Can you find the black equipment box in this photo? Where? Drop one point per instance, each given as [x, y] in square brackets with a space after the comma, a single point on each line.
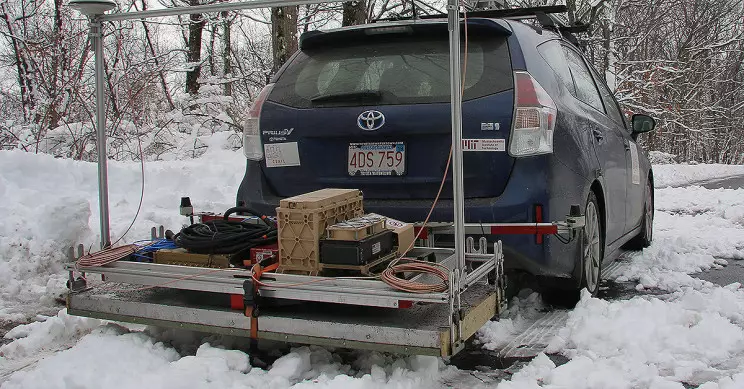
[355, 253]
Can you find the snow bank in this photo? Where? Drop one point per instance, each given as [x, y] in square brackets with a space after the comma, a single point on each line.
[112, 357]
[646, 342]
[695, 229]
[661, 158]
[50, 334]
[49, 204]
[523, 310]
[683, 174]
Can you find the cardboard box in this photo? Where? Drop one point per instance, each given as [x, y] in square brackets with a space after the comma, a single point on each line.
[356, 229]
[403, 233]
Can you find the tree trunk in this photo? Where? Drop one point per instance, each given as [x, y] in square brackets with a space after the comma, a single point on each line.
[59, 68]
[210, 51]
[196, 26]
[284, 34]
[151, 48]
[354, 13]
[226, 52]
[25, 73]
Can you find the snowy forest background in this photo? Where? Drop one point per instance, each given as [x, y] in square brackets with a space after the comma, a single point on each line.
[173, 82]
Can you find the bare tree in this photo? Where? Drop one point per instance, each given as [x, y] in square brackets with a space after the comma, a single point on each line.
[283, 33]
[354, 12]
[194, 47]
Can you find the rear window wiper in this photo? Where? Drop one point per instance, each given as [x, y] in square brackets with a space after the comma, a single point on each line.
[346, 96]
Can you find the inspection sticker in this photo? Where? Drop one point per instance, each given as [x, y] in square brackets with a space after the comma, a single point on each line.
[483, 145]
[282, 154]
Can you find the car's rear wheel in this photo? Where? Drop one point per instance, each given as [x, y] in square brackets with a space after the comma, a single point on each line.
[646, 235]
[592, 247]
[589, 260]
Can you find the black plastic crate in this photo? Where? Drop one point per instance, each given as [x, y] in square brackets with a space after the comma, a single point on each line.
[356, 253]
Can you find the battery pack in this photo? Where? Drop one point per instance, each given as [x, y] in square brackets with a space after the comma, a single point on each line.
[355, 253]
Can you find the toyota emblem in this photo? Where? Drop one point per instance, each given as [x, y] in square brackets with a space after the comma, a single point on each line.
[370, 120]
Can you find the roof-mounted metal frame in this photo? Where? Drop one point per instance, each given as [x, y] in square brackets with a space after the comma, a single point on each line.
[544, 15]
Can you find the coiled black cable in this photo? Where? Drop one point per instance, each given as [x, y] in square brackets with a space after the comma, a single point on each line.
[234, 238]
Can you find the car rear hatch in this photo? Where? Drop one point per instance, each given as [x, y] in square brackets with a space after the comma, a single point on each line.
[368, 108]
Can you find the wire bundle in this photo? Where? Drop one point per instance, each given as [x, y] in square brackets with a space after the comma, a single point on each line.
[106, 256]
[226, 236]
[390, 277]
[151, 247]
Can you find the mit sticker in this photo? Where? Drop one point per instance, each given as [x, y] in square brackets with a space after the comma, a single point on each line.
[484, 145]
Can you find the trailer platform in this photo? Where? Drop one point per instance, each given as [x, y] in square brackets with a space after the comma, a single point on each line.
[423, 329]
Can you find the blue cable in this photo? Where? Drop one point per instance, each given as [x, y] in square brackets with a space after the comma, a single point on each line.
[154, 245]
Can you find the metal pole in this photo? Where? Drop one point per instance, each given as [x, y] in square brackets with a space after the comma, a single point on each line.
[456, 103]
[96, 37]
[209, 8]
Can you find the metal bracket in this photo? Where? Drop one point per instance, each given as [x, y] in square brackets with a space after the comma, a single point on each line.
[482, 245]
[157, 233]
[575, 222]
[79, 284]
[500, 275]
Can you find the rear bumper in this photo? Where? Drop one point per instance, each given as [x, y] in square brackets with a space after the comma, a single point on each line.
[515, 205]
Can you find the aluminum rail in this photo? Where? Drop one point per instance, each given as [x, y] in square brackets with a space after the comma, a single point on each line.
[366, 292]
[96, 37]
[208, 8]
[458, 188]
[284, 286]
[503, 228]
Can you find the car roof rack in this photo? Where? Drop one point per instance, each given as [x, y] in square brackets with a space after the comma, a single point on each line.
[544, 16]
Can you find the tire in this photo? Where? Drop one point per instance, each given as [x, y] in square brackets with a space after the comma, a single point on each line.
[591, 247]
[591, 253]
[646, 235]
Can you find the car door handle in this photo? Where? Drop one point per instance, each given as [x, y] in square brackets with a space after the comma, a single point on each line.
[627, 145]
[598, 134]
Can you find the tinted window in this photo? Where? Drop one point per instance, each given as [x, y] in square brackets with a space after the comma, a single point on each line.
[586, 91]
[552, 52]
[609, 102]
[401, 71]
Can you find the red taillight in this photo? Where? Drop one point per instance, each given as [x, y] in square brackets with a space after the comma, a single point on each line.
[255, 110]
[534, 118]
[526, 95]
[252, 147]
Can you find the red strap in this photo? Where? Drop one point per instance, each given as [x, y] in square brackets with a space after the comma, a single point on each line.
[271, 267]
[257, 273]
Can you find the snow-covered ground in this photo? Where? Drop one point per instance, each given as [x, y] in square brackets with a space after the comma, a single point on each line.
[689, 331]
[676, 175]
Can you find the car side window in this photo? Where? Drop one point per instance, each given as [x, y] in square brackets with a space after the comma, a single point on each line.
[586, 90]
[552, 52]
[609, 101]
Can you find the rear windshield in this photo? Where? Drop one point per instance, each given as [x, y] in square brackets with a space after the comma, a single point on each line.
[406, 70]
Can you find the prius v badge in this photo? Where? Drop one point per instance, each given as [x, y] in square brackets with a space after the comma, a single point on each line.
[370, 120]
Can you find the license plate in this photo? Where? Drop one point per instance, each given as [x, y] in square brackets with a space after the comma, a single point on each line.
[377, 159]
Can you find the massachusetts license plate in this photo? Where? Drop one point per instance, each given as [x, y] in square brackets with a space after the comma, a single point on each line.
[377, 159]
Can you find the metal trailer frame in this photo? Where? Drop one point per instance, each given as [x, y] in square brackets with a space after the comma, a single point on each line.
[466, 282]
[96, 35]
